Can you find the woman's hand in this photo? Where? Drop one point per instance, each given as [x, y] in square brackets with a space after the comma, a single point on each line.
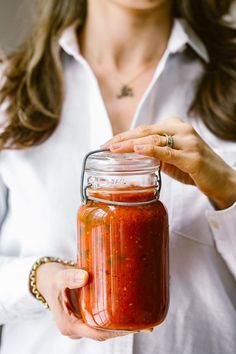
[190, 161]
[53, 282]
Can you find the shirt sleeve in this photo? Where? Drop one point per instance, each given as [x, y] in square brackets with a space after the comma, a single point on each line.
[223, 226]
[16, 300]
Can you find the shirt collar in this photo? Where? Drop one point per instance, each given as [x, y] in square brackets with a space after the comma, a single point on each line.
[181, 36]
[69, 42]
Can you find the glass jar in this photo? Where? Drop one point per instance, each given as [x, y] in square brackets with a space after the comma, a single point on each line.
[123, 243]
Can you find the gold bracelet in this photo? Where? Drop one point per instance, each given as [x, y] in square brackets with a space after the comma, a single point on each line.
[33, 278]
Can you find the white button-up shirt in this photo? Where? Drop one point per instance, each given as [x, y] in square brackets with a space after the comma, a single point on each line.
[40, 196]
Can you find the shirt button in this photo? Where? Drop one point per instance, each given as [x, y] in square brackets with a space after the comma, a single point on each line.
[214, 224]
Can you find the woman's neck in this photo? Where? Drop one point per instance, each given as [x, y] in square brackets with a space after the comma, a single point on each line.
[120, 37]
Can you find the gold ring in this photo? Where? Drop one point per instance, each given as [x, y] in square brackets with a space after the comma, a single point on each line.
[169, 140]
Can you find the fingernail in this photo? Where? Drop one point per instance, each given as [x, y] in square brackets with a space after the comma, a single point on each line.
[80, 276]
[148, 330]
[139, 147]
[115, 146]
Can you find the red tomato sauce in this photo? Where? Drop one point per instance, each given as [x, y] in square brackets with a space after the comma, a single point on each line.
[125, 251]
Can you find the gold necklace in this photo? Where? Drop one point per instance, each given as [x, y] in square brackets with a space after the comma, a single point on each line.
[126, 90]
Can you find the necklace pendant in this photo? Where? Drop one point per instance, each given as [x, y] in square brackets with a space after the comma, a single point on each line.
[126, 91]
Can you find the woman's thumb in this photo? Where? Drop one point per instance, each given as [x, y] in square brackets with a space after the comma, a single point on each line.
[72, 278]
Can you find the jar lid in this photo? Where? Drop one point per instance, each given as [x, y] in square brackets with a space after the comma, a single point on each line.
[108, 162]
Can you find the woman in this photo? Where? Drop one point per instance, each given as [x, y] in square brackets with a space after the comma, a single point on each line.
[90, 70]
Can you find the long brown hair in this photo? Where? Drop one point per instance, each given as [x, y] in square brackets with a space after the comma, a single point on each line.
[33, 84]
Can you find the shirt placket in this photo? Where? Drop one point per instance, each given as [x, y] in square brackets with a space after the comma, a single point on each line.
[141, 114]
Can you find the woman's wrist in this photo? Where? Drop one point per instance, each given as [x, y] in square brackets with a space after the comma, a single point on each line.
[227, 197]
